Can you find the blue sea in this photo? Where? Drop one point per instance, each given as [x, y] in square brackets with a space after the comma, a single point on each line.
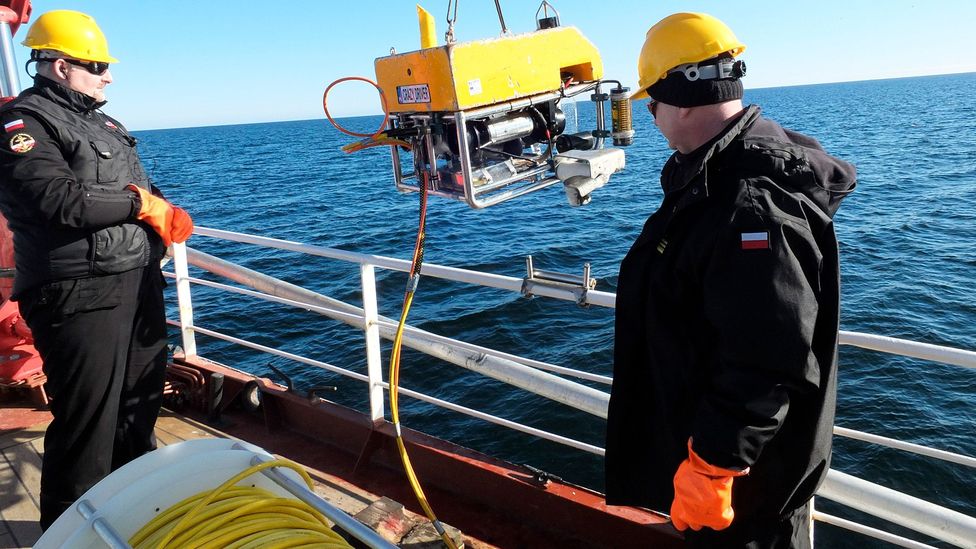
[908, 252]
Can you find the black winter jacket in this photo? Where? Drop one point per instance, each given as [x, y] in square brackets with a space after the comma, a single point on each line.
[726, 322]
[64, 166]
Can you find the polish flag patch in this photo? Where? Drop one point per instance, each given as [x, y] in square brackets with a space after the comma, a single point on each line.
[111, 125]
[14, 125]
[755, 241]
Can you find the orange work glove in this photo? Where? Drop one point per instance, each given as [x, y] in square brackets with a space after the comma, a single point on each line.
[171, 223]
[702, 494]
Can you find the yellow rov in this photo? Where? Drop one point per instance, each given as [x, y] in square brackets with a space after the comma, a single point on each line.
[484, 119]
[467, 75]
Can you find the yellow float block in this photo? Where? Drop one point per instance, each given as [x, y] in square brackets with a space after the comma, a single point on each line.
[467, 75]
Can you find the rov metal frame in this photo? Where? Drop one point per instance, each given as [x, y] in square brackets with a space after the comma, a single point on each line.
[482, 196]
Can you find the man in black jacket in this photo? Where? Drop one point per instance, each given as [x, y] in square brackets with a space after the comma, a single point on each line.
[89, 232]
[727, 314]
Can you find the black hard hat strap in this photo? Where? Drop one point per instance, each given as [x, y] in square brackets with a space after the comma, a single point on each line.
[711, 70]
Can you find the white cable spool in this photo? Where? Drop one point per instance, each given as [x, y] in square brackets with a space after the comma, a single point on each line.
[140, 490]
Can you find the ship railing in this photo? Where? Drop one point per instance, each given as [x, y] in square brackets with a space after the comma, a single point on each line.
[539, 377]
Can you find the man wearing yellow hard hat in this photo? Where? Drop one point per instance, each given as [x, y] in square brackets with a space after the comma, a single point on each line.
[89, 231]
[723, 397]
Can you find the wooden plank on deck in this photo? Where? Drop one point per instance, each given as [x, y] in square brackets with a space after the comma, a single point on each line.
[38, 444]
[17, 508]
[164, 437]
[20, 436]
[26, 462]
[177, 429]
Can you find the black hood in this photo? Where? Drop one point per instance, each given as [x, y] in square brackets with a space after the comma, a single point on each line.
[768, 148]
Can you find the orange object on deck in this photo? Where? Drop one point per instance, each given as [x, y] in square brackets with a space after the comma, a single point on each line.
[6, 260]
[20, 363]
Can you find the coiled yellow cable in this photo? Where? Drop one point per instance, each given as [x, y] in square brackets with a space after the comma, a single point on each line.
[240, 517]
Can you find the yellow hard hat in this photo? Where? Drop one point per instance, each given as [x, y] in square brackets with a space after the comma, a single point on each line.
[72, 33]
[678, 39]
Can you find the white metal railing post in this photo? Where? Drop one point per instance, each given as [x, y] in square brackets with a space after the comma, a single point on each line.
[374, 366]
[181, 270]
[813, 521]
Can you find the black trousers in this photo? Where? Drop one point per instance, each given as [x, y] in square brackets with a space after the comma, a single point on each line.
[103, 341]
[790, 532]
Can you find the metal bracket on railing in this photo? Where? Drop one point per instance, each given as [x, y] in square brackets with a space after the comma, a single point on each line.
[580, 285]
[313, 393]
[288, 382]
[542, 477]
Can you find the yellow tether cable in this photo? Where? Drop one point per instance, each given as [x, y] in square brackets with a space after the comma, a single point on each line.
[412, 281]
[381, 138]
[241, 517]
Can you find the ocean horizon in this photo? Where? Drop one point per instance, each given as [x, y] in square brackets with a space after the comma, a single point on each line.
[379, 114]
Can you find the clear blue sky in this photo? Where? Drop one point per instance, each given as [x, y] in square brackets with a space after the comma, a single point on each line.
[210, 62]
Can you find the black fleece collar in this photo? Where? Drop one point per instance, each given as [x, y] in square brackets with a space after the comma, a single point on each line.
[66, 97]
[682, 168]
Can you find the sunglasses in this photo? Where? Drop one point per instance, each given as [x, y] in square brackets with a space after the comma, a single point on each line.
[97, 68]
[652, 107]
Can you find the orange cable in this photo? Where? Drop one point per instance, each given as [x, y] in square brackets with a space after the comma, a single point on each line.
[386, 113]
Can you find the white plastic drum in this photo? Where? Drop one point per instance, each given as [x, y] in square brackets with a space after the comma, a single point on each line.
[134, 494]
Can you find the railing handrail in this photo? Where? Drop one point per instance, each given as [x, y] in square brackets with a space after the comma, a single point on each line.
[497, 420]
[553, 387]
[354, 319]
[893, 539]
[903, 509]
[909, 348]
[891, 345]
[389, 328]
[889, 504]
[500, 282]
[896, 444]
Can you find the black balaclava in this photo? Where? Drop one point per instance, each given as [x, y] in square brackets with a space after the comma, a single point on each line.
[677, 90]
